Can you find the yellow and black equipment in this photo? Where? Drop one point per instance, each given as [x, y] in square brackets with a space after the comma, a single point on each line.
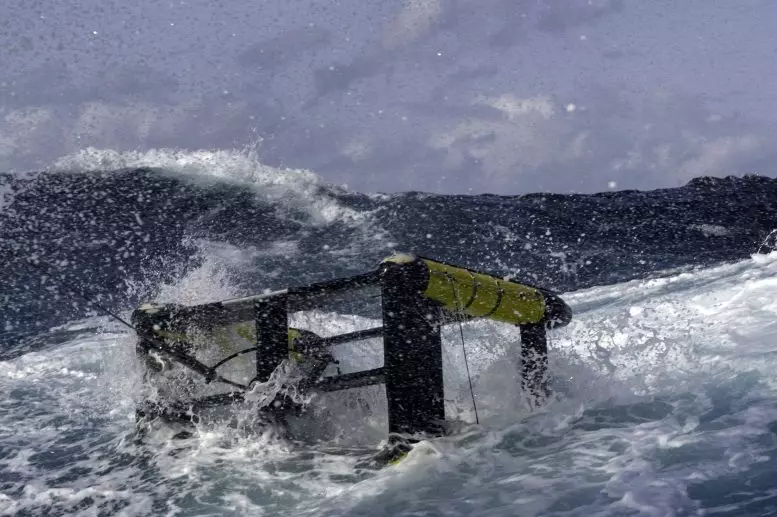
[417, 297]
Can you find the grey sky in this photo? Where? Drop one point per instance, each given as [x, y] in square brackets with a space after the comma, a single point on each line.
[504, 96]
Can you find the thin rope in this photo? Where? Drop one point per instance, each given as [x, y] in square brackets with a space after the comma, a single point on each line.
[464, 348]
[469, 377]
[90, 300]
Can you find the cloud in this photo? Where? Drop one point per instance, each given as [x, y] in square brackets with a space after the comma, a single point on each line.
[34, 137]
[563, 16]
[443, 95]
[56, 83]
[539, 143]
[414, 19]
[514, 107]
[425, 33]
[504, 143]
[720, 156]
[272, 53]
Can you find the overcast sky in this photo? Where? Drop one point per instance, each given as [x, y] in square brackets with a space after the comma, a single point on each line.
[452, 96]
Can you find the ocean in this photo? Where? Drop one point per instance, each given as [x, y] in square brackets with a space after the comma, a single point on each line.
[665, 402]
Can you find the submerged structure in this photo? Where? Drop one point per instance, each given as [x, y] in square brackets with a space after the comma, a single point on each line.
[415, 297]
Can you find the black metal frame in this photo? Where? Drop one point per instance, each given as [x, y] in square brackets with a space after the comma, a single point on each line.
[412, 371]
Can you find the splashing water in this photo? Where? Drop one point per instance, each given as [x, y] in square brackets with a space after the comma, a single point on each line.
[664, 402]
[665, 405]
[299, 188]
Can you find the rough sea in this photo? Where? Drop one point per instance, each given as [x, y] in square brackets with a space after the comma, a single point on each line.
[665, 391]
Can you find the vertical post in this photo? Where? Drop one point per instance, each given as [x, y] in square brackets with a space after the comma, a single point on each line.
[144, 328]
[145, 321]
[534, 358]
[412, 356]
[272, 335]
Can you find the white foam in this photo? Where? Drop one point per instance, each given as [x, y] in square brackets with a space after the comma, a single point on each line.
[295, 188]
[209, 282]
[663, 385]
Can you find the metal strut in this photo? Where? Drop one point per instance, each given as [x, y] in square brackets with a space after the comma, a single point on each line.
[412, 356]
[418, 296]
[534, 359]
